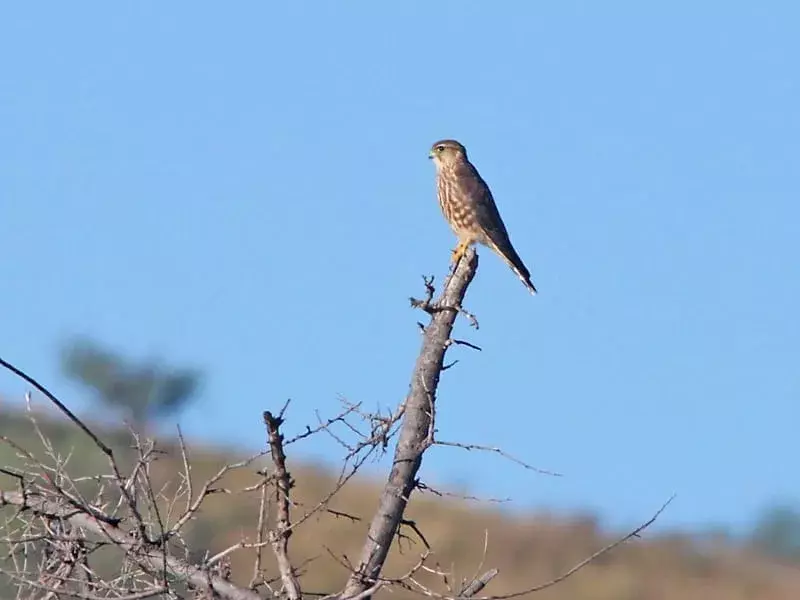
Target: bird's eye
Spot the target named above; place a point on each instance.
(440, 148)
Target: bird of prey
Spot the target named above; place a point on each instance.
(469, 207)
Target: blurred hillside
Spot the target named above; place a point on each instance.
(526, 549)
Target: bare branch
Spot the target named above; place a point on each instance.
(149, 555)
(262, 518)
(478, 584)
(570, 572)
(279, 536)
(427, 303)
(429, 306)
(365, 594)
(49, 395)
(187, 470)
(207, 489)
(130, 498)
(453, 341)
(149, 593)
(415, 428)
(324, 425)
(500, 452)
(145, 523)
(589, 559)
(425, 487)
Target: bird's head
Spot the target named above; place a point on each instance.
(446, 152)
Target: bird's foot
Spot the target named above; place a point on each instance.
(458, 252)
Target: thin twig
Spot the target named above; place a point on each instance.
(207, 489)
(570, 572)
(500, 452)
(73, 594)
(323, 425)
(49, 395)
(475, 577)
(452, 341)
(144, 555)
(424, 487)
(187, 469)
(130, 499)
(262, 517)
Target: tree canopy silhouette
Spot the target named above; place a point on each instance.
(777, 532)
(142, 391)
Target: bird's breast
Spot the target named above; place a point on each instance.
(455, 204)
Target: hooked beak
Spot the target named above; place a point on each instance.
(430, 154)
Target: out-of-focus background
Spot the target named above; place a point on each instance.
(208, 209)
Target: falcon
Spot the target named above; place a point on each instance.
(469, 207)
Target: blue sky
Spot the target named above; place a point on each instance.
(246, 189)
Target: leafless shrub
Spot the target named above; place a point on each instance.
(118, 532)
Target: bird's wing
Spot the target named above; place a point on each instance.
(482, 202)
(492, 224)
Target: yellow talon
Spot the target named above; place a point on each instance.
(458, 252)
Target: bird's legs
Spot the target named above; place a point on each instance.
(459, 251)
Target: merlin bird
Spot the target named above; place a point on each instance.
(469, 208)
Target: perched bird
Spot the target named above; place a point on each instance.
(469, 208)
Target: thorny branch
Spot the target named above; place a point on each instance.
(279, 536)
(500, 452)
(414, 431)
(542, 586)
(129, 513)
(49, 395)
(148, 556)
(49, 494)
(432, 307)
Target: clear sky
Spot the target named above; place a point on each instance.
(245, 188)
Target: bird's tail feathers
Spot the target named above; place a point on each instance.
(512, 259)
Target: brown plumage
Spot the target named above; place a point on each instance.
(469, 207)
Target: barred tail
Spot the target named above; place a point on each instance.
(511, 258)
